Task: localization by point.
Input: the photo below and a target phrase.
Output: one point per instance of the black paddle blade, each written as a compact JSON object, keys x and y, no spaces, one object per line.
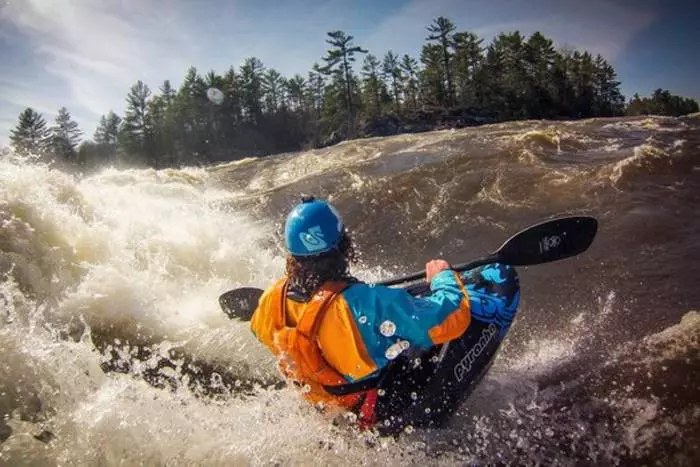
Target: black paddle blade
{"x":549,"y":241}
{"x":240,"y":303}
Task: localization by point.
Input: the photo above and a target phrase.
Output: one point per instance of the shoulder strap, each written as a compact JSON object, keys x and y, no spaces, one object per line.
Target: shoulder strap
{"x":310,"y":321}
{"x":283,"y":285}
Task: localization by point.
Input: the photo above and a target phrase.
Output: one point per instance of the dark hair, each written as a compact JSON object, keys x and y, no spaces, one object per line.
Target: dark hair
{"x":307,"y":273}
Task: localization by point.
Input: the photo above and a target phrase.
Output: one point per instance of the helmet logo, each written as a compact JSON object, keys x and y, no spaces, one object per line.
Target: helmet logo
{"x":313,"y":239}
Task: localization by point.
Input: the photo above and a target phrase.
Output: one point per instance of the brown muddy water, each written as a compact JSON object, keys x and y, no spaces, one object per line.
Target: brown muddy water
{"x":113,"y":349}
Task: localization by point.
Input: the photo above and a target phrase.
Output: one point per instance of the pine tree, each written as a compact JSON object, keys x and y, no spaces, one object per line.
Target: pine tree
{"x":316,"y":89}
{"x":136,"y":133}
{"x":409,"y":66}
{"x":441,"y":31}
{"x":392,"y":72}
{"x":563,"y":94}
{"x":372,"y":86}
{"x":297,"y":88}
{"x":339,"y":60}
{"x":251,"y":74}
{"x":64,"y":137}
{"x":107,"y":131}
{"x":30,"y":136}
{"x":468,"y":55}
{"x":168,"y":93}
{"x":609,"y":101}
{"x":662,"y":102}
{"x":272,"y":87}
{"x":104,"y":148}
{"x":433,"y":88}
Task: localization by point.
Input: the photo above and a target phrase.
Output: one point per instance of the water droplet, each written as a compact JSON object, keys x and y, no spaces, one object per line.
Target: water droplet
{"x":417,"y":362}
{"x":414,"y":396}
{"x":362,"y":319}
{"x":427,"y":410}
{"x":215,"y":96}
{"x":404,"y":345}
{"x":387,"y":422}
{"x":434,"y":359}
{"x":306,"y":389}
{"x":393,"y":351}
{"x":409,"y":429}
{"x":381,"y":392}
{"x":387,"y":328}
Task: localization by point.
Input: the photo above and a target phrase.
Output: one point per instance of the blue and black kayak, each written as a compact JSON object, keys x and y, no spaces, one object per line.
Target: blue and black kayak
{"x":423,"y":388}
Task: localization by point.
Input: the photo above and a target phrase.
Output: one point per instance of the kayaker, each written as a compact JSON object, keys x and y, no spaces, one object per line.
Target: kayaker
{"x":332,"y":330}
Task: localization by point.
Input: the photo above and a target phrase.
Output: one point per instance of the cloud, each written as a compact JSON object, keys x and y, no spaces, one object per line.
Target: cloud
{"x":91,"y":50}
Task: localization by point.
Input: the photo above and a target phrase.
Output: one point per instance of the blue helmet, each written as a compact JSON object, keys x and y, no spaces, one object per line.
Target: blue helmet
{"x":313,"y":227}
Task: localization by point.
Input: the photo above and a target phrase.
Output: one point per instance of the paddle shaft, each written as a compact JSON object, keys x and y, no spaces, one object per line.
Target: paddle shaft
{"x":494,"y":258}
{"x":542,"y":243}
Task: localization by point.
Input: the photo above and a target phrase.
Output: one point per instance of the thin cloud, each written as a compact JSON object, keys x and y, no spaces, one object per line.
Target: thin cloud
{"x":92,"y":50}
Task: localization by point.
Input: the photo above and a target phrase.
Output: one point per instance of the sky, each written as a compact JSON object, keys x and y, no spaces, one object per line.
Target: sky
{"x":86,"y":54}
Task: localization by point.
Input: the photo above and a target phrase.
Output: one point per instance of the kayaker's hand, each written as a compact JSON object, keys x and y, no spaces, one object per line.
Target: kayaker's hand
{"x":435,"y":266}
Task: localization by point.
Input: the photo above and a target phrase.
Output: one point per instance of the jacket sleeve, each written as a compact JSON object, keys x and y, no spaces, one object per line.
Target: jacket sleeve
{"x":385,"y":316}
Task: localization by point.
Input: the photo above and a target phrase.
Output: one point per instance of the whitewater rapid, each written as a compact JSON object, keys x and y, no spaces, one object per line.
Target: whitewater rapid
{"x":113,"y":349}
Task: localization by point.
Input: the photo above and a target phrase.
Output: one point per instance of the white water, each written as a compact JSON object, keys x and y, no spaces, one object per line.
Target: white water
{"x":141,"y":256}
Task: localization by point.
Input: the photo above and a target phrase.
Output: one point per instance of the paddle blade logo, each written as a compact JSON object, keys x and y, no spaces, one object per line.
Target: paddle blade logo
{"x":549,"y":243}
{"x":313,"y":239}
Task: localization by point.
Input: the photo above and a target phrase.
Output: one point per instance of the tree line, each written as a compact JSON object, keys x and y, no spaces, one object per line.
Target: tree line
{"x":457,"y":80}
{"x":662,"y":102}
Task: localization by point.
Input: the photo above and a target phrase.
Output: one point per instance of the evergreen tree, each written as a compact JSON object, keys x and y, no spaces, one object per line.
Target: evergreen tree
{"x":392,"y":72}
{"x":316,"y":89}
{"x":136,"y":133}
{"x":251,"y":74}
{"x":297,"y":88}
{"x":514,"y":77}
{"x":106,"y":138}
{"x":467,"y":60}
{"x":563,"y":94}
{"x":272,"y":86}
{"x":583,"y":84}
{"x":168,"y":93}
{"x":64,"y":137}
{"x":662,"y":102}
{"x":609,"y":100}
{"x":409,"y":66}
{"x":339,"y":61}
{"x":539,"y":57}
{"x":432,"y":76}
{"x":441,"y":31}
{"x":30,"y":136}
{"x":232,"y":99}
{"x":107,"y":131}
{"x":372,"y":86}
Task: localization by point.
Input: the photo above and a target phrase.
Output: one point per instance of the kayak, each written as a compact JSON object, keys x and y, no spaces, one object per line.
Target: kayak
{"x":423,"y":388}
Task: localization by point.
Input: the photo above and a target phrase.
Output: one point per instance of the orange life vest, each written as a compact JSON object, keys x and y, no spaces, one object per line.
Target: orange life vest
{"x":301,"y":359}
